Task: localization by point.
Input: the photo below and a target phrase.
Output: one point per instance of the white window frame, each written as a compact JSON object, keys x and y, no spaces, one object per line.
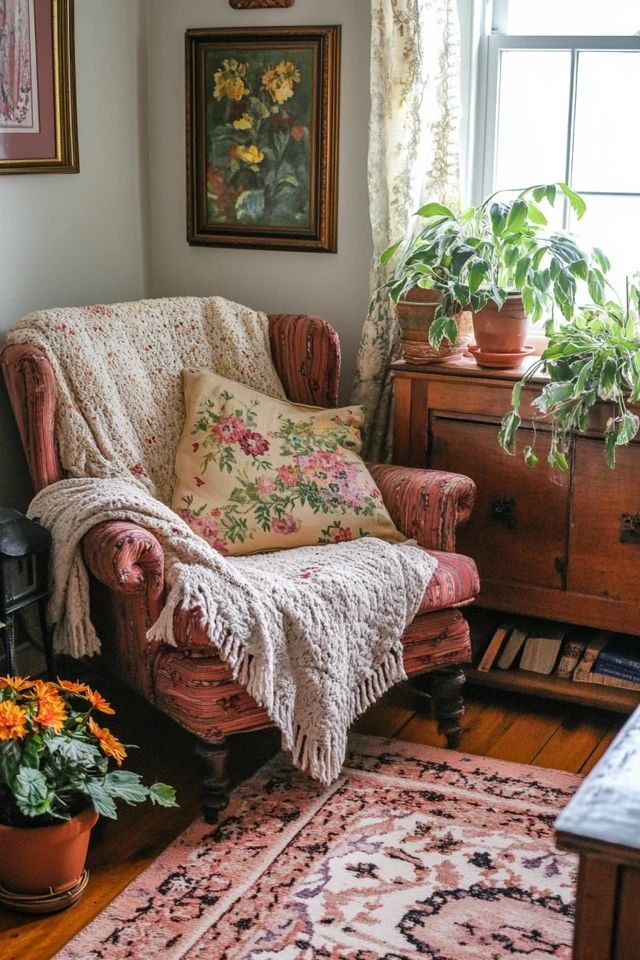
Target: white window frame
{"x":488,"y":89}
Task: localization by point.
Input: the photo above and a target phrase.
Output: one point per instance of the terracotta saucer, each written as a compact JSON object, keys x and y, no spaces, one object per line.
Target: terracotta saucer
{"x":44,"y":902}
{"x":498,"y":361}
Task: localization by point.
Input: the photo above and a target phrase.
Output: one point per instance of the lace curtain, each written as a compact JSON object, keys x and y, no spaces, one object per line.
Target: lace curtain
{"x":413,"y":155}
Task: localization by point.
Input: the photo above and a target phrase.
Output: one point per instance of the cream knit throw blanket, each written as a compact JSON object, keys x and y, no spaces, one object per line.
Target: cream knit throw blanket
{"x":118,"y":368}
{"x":314,"y":634}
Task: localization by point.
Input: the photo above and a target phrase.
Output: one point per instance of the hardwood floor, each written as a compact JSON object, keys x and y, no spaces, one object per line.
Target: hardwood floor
{"x":496,"y":724}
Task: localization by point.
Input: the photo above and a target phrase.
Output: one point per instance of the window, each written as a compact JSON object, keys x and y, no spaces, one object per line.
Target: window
{"x":561,"y":103}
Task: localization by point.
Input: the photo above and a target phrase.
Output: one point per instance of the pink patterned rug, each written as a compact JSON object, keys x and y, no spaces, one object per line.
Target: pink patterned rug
{"x":414,"y":852}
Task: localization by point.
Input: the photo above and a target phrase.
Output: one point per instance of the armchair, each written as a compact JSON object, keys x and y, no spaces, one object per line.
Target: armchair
{"x":189,"y":682}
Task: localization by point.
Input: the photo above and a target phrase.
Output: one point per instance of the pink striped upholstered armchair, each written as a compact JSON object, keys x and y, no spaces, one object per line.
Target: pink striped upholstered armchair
{"x":190,"y":683}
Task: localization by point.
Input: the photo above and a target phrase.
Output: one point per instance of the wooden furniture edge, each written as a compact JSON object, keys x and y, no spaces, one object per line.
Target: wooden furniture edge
{"x":602,"y":613}
{"x":588,"y":694}
{"x":461,"y":368}
{"x":603,"y":817}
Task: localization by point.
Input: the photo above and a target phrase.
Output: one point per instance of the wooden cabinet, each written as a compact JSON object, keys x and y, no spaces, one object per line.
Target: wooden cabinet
{"x":547,"y":543}
{"x":604,"y":543}
{"x":515,"y":505}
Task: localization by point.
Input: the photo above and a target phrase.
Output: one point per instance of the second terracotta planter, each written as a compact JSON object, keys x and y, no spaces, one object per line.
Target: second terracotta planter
{"x":501,"y":331}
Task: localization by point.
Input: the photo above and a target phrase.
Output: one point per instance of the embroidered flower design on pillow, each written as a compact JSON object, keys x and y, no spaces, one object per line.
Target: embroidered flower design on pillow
{"x":255,"y":473}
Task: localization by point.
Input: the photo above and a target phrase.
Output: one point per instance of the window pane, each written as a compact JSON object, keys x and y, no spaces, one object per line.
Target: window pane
{"x":532,"y":117}
{"x":607,"y":135}
{"x":573,"y":17}
{"x":611,"y":223}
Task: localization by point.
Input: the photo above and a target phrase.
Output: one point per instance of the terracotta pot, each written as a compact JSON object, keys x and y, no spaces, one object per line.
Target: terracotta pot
{"x":501,"y":331}
{"x":39,"y":860}
{"x":415,"y":314}
{"x":421,"y":295}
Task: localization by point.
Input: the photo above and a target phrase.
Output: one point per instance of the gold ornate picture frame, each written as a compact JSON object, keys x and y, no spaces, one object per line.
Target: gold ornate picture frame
{"x":260,"y":4}
{"x":262,"y":137}
{"x":38,"y":126}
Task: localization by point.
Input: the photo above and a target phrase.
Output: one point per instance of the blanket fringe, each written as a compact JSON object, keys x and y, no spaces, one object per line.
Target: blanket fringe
{"x":76,"y":639}
{"x":322,"y":758}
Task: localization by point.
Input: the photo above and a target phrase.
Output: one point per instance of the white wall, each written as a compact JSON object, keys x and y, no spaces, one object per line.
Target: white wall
{"x":78,"y":238}
{"x":334,"y":286}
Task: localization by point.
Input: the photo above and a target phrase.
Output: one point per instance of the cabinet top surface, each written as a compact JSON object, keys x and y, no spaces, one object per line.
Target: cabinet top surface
{"x":467,"y":367}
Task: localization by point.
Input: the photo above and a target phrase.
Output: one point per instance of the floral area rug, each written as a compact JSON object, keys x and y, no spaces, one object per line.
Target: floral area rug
{"x":414,"y":852}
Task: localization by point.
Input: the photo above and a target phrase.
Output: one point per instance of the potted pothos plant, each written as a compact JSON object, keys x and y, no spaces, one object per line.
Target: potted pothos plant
{"x":501,"y":261}
{"x":55,"y":779}
{"x":591,"y":358}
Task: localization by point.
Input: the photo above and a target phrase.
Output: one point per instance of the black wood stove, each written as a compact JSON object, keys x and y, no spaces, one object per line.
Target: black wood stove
{"x":25,"y":547}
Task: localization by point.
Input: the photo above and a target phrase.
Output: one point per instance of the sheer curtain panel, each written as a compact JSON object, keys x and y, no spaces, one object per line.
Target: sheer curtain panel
{"x":413,"y":155}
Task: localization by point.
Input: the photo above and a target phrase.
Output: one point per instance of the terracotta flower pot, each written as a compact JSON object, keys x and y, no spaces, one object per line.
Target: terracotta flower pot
{"x":501,"y":331}
{"x":415,"y":315}
{"x":38,"y":860}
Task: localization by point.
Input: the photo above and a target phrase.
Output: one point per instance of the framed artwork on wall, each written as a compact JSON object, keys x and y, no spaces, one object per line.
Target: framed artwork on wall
{"x":38,"y":131}
{"x":262,"y":137}
{"x":260,"y":4}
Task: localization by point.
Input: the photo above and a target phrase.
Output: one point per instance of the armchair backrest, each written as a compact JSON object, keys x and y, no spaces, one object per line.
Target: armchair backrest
{"x":305,"y":351}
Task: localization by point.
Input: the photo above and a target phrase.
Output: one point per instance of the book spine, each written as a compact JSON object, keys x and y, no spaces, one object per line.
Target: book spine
{"x":493,"y":648}
{"x":569,"y":660}
{"x":564,"y":670}
{"x":619,"y":684}
{"x":607,"y":681}
{"x":619,"y":660}
{"x":589,"y":657}
{"x":614,"y":670}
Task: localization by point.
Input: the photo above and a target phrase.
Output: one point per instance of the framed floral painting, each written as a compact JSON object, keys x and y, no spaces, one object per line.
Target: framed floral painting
{"x":37,"y":87}
{"x":262,"y":137}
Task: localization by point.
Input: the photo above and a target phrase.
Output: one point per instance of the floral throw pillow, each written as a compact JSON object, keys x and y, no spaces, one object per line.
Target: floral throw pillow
{"x":255,"y":473}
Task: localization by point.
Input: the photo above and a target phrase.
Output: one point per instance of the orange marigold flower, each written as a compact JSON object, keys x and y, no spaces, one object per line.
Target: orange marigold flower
{"x":51,"y":714}
{"x":44,"y":690}
{"x":108,"y":743}
{"x":98,"y":701}
{"x":16,"y":683}
{"x":12,"y":721}
{"x":72,"y":687}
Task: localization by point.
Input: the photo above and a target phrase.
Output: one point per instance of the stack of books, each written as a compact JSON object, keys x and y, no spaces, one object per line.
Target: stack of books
{"x":557,"y":649}
{"x":533,"y":645}
{"x":614,"y":660}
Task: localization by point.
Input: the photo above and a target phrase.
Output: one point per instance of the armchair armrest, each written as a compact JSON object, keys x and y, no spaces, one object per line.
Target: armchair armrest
{"x":125,"y":557}
{"x":129,"y":561}
{"x":306,"y":354}
{"x":32,"y":392}
{"x":425,"y":505}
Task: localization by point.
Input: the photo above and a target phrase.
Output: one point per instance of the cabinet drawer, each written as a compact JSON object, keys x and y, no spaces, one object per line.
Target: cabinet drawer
{"x":604,"y":551}
{"x":516,"y":533}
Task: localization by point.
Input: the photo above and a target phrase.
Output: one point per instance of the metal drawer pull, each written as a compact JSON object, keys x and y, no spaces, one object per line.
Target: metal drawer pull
{"x":630,"y":528}
{"x":503,"y":512}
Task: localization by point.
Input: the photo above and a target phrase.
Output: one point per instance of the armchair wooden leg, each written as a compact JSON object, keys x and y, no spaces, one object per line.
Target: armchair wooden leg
{"x":215,"y":786}
{"x":444,"y":689}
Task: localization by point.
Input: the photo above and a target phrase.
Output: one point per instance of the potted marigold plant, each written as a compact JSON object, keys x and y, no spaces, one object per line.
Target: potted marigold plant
{"x":55,"y":779}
